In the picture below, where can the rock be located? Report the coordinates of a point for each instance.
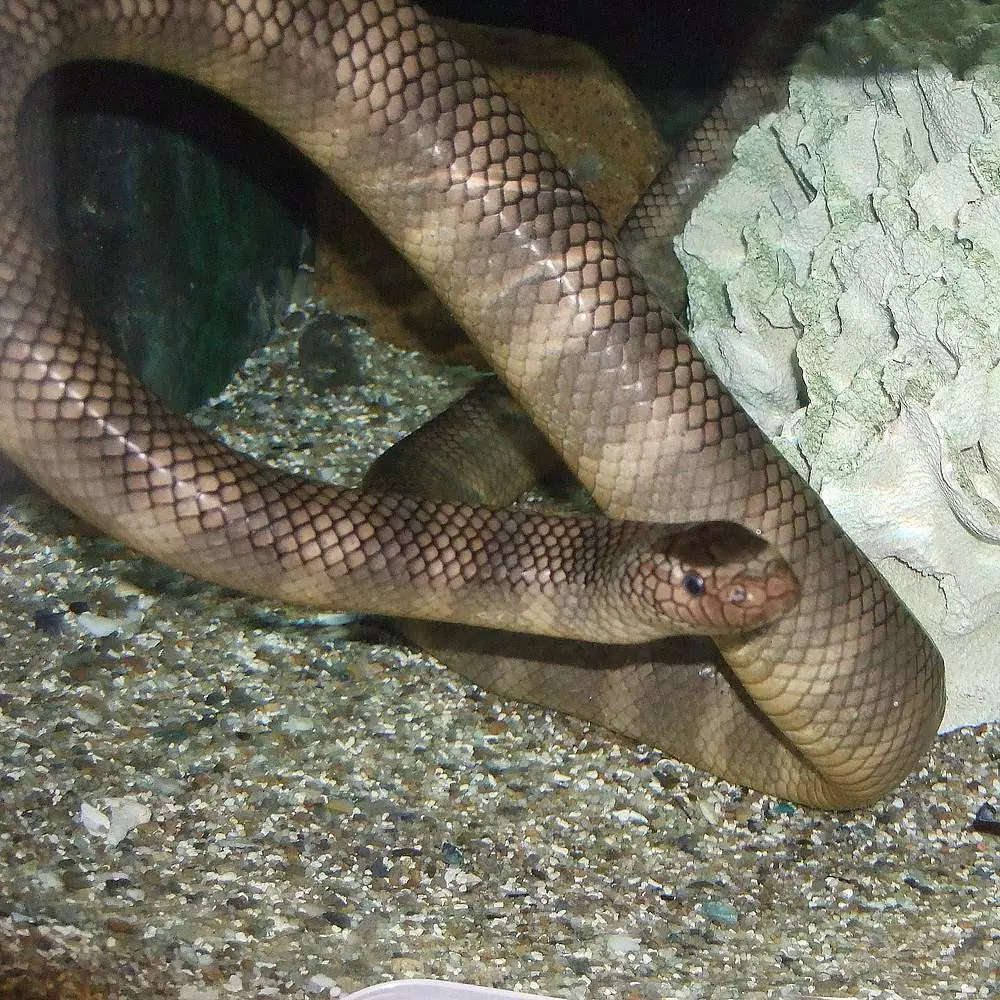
(182, 219)
(844, 284)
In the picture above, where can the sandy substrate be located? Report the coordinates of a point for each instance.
(300, 808)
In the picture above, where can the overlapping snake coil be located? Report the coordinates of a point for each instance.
(831, 704)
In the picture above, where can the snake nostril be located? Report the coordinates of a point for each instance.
(738, 594)
(693, 583)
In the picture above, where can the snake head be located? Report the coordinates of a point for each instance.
(717, 578)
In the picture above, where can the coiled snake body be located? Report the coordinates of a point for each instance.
(834, 702)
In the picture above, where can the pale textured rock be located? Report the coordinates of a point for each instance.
(844, 282)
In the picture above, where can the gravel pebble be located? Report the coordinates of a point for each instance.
(311, 811)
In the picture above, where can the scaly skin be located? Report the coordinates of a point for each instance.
(846, 686)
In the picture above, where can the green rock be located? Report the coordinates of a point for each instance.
(181, 219)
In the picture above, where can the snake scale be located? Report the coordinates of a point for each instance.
(832, 703)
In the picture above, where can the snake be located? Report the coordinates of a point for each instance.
(827, 691)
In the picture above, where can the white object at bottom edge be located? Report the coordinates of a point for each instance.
(435, 989)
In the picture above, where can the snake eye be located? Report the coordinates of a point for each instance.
(693, 583)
